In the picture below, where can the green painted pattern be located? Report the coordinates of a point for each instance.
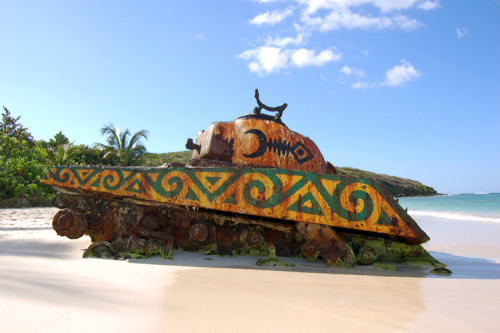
(280, 193)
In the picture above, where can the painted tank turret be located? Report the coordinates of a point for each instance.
(252, 186)
(257, 140)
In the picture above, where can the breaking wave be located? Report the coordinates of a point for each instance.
(455, 216)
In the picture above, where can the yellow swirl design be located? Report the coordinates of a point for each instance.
(109, 178)
(360, 205)
(261, 192)
(186, 181)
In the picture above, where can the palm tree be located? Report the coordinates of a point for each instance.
(58, 155)
(127, 152)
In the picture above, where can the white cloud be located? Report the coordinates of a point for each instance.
(305, 57)
(345, 18)
(363, 85)
(272, 17)
(406, 23)
(274, 52)
(390, 5)
(429, 5)
(400, 74)
(346, 70)
(268, 59)
(199, 36)
(461, 32)
(313, 6)
(265, 59)
(285, 41)
(394, 77)
(352, 71)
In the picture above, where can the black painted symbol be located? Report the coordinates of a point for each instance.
(301, 153)
(262, 143)
(282, 147)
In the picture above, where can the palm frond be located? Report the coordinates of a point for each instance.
(126, 147)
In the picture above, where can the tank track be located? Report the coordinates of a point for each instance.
(120, 227)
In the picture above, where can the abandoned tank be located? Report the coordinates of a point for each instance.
(252, 186)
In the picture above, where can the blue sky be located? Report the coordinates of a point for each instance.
(403, 87)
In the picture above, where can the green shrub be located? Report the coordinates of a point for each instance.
(21, 169)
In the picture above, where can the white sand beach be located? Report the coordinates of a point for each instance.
(46, 286)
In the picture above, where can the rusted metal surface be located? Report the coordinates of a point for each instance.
(67, 223)
(189, 230)
(278, 109)
(332, 248)
(310, 249)
(254, 238)
(229, 233)
(351, 203)
(199, 232)
(151, 234)
(258, 141)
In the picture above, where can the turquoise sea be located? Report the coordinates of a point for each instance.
(467, 206)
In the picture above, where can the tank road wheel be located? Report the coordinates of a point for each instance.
(149, 227)
(331, 247)
(310, 250)
(100, 250)
(150, 222)
(199, 233)
(254, 238)
(67, 223)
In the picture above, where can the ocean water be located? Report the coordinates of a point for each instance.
(467, 206)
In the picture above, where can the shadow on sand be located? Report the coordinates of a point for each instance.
(37, 248)
(462, 267)
(468, 267)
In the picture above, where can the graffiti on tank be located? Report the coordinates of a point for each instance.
(275, 193)
(281, 147)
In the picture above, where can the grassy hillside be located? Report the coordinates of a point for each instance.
(398, 187)
(159, 159)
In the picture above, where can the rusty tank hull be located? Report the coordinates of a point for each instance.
(252, 185)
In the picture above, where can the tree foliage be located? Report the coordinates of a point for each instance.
(56, 151)
(11, 127)
(127, 151)
(59, 155)
(85, 155)
(20, 173)
(21, 166)
(24, 161)
(59, 151)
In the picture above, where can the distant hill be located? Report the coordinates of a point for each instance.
(396, 186)
(159, 159)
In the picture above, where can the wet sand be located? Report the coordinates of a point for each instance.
(46, 286)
